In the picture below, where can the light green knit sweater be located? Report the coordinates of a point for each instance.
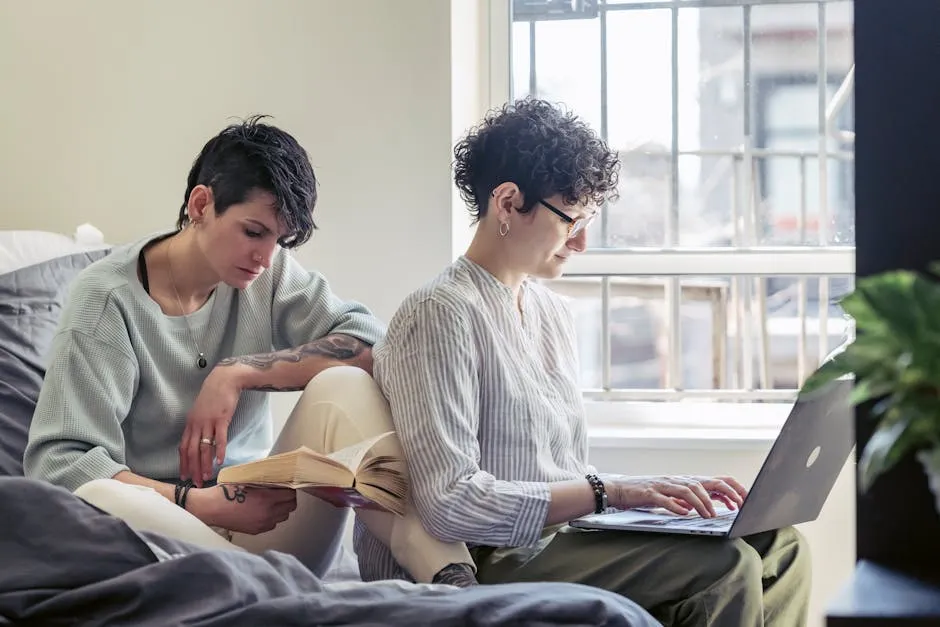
(122, 375)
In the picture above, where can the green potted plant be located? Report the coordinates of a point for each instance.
(895, 361)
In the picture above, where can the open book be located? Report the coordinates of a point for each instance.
(369, 474)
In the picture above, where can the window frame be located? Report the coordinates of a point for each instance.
(617, 409)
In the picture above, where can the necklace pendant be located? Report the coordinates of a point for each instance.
(202, 361)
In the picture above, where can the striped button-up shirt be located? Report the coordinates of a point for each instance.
(484, 394)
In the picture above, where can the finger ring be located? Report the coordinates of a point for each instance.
(207, 441)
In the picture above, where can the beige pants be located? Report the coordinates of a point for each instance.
(339, 407)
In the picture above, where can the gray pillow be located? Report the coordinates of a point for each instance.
(31, 300)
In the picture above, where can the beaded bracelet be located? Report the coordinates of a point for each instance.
(600, 493)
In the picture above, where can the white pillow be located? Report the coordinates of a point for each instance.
(22, 248)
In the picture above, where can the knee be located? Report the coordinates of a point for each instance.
(744, 564)
(345, 403)
(339, 407)
(340, 381)
(112, 495)
(99, 489)
(731, 567)
(796, 556)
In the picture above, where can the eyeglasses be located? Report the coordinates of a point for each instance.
(575, 225)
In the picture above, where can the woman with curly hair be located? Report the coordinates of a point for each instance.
(480, 369)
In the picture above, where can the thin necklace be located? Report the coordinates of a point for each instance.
(201, 362)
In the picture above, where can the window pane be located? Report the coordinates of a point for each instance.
(584, 300)
(711, 79)
(567, 66)
(520, 59)
(723, 323)
(791, 199)
(639, 79)
(638, 216)
(713, 181)
(639, 121)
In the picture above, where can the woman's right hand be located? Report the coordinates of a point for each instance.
(678, 494)
(242, 509)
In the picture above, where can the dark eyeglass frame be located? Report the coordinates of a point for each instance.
(575, 225)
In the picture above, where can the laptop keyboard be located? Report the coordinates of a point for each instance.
(720, 520)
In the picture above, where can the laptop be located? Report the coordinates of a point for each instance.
(793, 483)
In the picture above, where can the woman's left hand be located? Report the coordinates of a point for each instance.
(206, 432)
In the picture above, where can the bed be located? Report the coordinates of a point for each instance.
(66, 562)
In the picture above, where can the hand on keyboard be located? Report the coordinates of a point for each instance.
(676, 494)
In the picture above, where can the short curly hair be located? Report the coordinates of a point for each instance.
(542, 148)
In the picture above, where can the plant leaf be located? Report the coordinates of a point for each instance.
(889, 299)
(913, 429)
(877, 457)
(857, 306)
(895, 362)
(869, 389)
(837, 367)
(867, 357)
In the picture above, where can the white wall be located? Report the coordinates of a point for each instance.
(106, 102)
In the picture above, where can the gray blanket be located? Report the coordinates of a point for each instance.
(67, 563)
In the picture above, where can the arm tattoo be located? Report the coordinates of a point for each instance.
(275, 388)
(238, 494)
(336, 346)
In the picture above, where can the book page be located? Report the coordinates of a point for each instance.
(384, 480)
(352, 456)
(350, 497)
(287, 469)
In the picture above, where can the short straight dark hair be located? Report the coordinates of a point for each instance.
(252, 156)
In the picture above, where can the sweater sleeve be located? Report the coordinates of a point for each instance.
(75, 435)
(429, 371)
(304, 309)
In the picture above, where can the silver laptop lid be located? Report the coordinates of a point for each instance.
(803, 464)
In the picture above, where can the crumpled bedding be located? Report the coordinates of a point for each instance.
(68, 563)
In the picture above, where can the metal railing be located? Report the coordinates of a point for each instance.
(711, 292)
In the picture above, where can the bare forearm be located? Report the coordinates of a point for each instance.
(166, 490)
(570, 500)
(293, 368)
(196, 501)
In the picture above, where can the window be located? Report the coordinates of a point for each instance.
(716, 273)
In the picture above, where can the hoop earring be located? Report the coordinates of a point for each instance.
(503, 229)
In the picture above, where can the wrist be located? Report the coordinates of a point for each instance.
(200, 504)
(599, 490)
(236, 374)
(614, 490)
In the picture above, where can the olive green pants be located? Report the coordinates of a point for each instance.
(760, 580)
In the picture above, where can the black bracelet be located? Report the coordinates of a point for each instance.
(182, 489)
(185, 493)
(600, 493)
